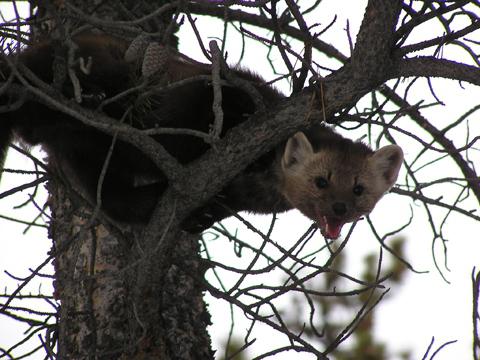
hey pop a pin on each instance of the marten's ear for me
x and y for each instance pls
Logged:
(297, 150)
(387, 161)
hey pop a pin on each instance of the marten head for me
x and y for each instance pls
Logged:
(337, 184)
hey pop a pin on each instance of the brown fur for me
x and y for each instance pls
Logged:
(344, 167)
(284, 178)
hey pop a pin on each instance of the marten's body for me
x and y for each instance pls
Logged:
(281, 179)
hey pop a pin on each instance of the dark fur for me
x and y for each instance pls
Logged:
(81, 150)
(133, 184)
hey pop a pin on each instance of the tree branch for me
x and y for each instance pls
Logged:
(441, 40)
(431, 67)
(439, 136)
(263, 22)
(371, 58)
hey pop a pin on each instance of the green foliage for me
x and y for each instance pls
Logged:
(363, 344)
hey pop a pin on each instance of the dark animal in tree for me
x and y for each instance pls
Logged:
(330, 179)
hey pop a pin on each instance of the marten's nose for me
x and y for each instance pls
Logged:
(339, 208)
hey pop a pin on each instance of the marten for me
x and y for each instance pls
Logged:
(330, 179)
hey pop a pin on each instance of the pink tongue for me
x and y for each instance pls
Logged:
(333, 228)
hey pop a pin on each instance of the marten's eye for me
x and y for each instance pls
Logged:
(321, 182)
(358, 190)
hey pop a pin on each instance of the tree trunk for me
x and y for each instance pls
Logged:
(105, 311)
(120, 299)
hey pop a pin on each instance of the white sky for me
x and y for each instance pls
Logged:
(422, 307)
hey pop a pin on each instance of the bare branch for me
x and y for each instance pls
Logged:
(432, 67)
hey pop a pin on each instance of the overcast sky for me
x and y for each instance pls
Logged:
(423, 306)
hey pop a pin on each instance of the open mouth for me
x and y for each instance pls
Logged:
(330, 226)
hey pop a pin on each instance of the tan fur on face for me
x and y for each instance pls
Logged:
(344, 170)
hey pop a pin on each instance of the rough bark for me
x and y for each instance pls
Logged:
(89, 280)
(110, 307)
(138, 294)
(96, 271)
